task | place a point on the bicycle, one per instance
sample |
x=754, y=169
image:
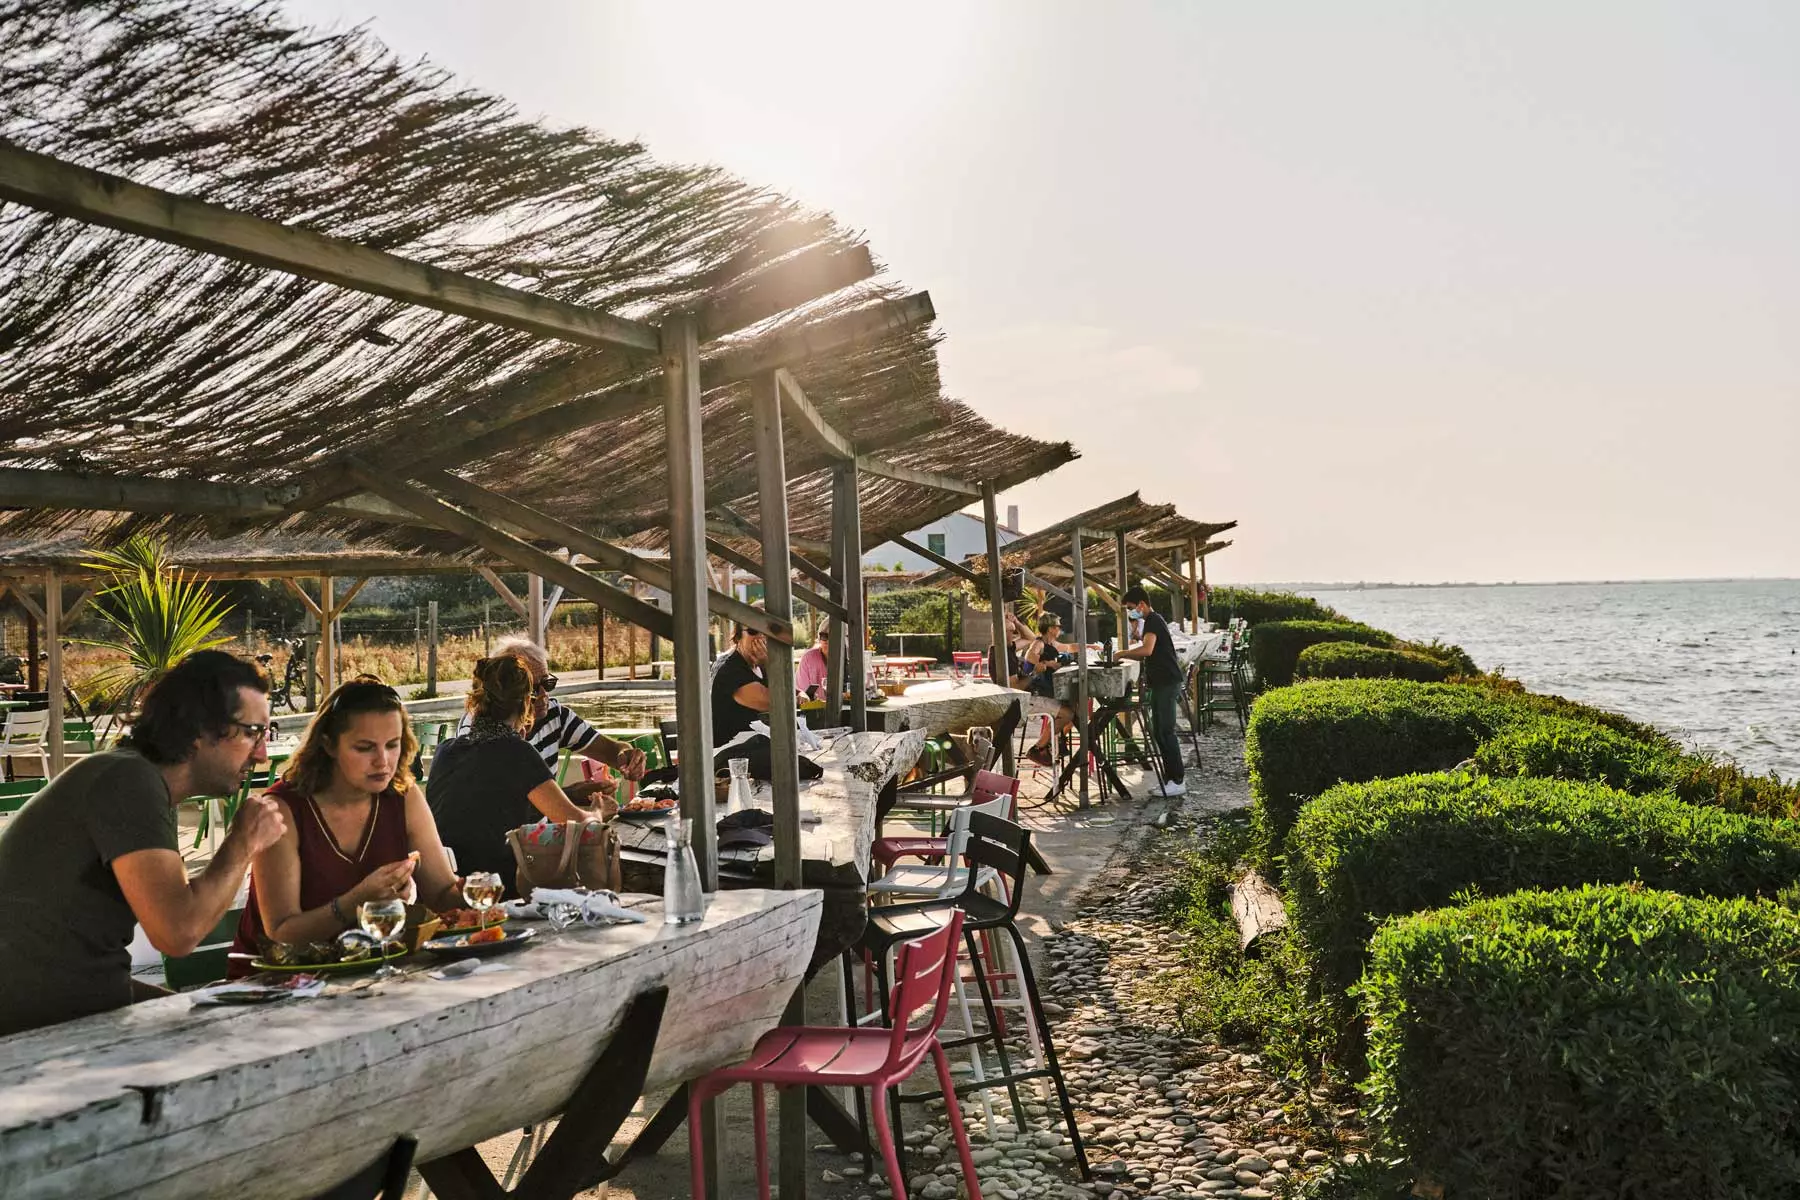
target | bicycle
x=291, y=691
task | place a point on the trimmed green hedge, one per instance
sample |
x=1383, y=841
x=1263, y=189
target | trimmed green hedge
x=1551, y=747
x=1353, y=660
x=1605, y=1042
x=1257, y=607
x=1276, y=645
x=1302, y=740
x=1364, y=852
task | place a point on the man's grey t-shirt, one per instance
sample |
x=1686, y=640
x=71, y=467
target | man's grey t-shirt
x=64, y=943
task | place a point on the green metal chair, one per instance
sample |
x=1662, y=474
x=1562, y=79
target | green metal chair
x=208, y=961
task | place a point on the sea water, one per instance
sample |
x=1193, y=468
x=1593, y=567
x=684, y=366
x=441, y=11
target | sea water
x=1711, y=663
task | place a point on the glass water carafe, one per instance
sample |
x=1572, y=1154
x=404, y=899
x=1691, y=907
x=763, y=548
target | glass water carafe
x=683, y=900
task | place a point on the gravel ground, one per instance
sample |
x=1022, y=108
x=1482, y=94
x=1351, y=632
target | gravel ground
x=1161, y=1114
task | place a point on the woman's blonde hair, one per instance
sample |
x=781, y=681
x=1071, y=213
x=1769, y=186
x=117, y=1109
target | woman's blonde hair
x=309, y=771
x=501, y=690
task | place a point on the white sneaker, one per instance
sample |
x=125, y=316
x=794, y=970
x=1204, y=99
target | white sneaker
x=1171, y=788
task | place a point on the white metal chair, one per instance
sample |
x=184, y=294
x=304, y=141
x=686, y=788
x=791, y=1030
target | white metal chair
x=26, y=735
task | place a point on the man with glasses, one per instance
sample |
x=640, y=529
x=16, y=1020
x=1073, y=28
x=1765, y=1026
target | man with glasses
x=555, y=727
x=96, y=853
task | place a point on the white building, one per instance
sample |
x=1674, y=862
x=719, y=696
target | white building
x=955, y=537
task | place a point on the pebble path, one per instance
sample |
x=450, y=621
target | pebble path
x=1162, y=1114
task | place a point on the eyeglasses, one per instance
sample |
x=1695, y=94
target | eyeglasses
x=545, y=685
x=255, y=733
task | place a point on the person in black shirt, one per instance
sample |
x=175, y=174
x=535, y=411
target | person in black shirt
x=1162, y=680
x=489, y=781
x=740, y=694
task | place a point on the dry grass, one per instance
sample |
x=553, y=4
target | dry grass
x=572, y=648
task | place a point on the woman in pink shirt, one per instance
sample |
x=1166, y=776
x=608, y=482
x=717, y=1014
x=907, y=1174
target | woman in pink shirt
x=809, y=680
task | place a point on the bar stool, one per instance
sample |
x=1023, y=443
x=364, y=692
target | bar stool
x=1005, y=848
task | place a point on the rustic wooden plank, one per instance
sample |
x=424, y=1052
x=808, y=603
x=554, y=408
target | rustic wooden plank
x=733, y=524
x=744, y=562
x=99, y=198
x=165, y=1100
x=1256, y=907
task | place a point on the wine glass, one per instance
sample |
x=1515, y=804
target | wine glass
x=382, y=920
x=561, y=916
x=481, y=890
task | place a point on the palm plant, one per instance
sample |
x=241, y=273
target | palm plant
x=157, y=614
x=1030, y=604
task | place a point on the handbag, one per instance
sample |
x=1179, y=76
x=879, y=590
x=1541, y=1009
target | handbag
x=566, y=854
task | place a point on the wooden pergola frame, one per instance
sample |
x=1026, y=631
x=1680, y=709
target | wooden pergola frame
x=422, y=491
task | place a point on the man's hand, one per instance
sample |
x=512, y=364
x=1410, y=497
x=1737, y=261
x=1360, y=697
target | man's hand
x=259, y=824
x=631, y=762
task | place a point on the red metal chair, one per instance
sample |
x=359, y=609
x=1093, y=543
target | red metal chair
x=878, y=1059
x=974, y=660
x=987, y=785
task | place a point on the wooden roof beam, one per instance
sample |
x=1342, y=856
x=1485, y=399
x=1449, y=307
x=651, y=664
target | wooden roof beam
x=613, y=558
x=99, y=198
x=521, y=554
x=809, y=420
x=869, y=465
x=824, y=604
x=955, y=568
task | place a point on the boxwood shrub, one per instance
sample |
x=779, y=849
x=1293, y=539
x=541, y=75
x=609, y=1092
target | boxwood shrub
x=1258, y=607
x=1364, y=852
x=1304, y=739
x=1276, y=645
x=1552, y=747
x=1611, y=1041
x=1353, y=660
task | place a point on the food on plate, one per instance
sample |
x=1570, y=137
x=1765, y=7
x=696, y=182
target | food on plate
x=649, y=804
x=315, y=954
x=458, y=919
x=491, y=934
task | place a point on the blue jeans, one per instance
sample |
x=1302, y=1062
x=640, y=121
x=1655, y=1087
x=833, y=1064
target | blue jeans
x=1163, y=700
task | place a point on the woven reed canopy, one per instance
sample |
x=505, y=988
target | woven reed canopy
x=124, y=357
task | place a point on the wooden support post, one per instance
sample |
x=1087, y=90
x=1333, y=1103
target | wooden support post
x=53, y=622
x=784, y=775
x=1124, y=580
x=688, y=574
x=599, y=643
x=1079, y=590
x=328, y=647
x=846, y=513
x=1205, y=593
x=680, y=355
x=534, y=609
x=431, y=647
x=996, y=607
x=33, y=629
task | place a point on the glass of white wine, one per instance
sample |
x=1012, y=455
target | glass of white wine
x=382, y=920
x=481, y=891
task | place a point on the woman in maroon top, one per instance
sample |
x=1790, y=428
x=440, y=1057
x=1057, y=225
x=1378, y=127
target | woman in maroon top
x=358, y=827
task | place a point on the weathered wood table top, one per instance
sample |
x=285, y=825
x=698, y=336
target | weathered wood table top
x=944, y=706
x=835, y=848
x=163, y=1099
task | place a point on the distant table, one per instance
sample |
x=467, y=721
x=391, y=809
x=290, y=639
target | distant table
x=911, y=664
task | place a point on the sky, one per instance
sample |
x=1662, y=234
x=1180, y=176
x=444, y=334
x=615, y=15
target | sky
x=1414, y=291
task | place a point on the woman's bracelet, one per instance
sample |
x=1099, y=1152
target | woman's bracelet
x=338, y=912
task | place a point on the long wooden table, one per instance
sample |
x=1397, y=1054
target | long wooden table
x=164, y=1100
x=834, y=850
x=944, y=706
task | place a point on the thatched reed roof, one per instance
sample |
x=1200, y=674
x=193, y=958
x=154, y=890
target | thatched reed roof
x=125, y=356
x=262, y=557
x=1149, y=528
